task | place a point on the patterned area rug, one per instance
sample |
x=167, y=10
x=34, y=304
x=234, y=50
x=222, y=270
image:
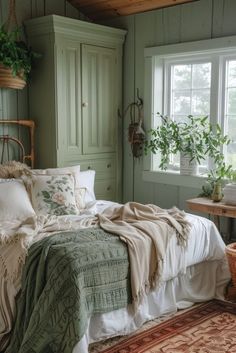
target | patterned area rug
x=207, y=328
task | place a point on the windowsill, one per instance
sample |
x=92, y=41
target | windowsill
x=174, y=178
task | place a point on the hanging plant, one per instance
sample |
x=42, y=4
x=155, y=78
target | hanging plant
x=16, y=58
x=136, y=133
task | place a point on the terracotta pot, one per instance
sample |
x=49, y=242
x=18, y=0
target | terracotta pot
x=7, y=80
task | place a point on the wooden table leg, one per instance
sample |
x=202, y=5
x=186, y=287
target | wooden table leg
x=216, y=220
x=230, y=222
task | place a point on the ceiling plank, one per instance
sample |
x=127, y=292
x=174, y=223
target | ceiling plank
x=103, y=9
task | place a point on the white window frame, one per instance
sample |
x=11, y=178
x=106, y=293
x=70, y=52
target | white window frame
x=218, y=50
x=224, y=60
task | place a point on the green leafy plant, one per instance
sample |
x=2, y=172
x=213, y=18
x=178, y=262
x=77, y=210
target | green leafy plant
x=164, y=139
x=15, y=53
x=221, y=174
x=233, y=175
x=195, y=137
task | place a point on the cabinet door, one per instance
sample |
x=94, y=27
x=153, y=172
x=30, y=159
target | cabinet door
x=99, y=99
x=68, y=101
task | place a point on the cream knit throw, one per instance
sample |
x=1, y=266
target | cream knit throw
x=147, y=230
x=15, y=239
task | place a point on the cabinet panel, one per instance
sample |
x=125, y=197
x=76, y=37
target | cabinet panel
x=105, y=168
x=105, y=189
x=69, y=100
x=98, y=99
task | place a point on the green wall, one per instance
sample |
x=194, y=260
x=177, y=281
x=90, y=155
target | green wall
x=202, y=19
x=14, y=103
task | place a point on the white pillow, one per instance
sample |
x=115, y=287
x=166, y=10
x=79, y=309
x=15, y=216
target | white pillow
x=14, y=201
x=53, y=194
x=86, y=180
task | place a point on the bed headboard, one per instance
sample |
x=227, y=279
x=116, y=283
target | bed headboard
x=26, y=151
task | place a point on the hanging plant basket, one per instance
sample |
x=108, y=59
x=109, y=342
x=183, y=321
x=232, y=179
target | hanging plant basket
x=8, y=80
x=16, y=57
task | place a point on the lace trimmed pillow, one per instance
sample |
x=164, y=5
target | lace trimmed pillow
x=53, y=195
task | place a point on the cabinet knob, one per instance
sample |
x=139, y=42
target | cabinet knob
x=108, y=188
x=89, y=167
x=85, y=104
x=109, y=165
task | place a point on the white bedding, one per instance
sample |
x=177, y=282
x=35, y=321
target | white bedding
x=198, y=273
x=195, y=274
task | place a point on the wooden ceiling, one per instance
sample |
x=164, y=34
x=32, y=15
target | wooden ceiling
x=105, y=9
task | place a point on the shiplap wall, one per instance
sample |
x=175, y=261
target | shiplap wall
x=14, y=103
x=203, y=19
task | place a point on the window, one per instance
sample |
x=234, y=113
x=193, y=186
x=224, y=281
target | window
x=188, y=93
x=196, y=79
x=230, y=109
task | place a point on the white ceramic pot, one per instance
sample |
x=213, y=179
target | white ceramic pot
x=188, y=167
x=229, y=192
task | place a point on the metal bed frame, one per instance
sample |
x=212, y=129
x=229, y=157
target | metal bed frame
x=7, y=139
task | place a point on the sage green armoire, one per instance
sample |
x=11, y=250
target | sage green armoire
x=75, y=97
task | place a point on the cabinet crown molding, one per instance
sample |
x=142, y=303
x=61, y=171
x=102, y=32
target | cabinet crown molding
x=77, y=29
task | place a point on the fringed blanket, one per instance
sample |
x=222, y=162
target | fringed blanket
x=147, y=230
x=66, y=278
x=15, y=239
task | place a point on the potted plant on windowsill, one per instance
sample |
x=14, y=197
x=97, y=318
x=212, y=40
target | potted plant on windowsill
x=215, y=181
x=195, y=139
x=16, y=59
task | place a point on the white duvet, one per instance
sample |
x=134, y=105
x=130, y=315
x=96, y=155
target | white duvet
x=197, y=273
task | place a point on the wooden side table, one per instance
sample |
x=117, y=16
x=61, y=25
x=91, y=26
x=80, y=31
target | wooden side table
x=216, y=209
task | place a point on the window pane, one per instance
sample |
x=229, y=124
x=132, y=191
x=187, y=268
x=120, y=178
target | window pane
x=176, y=159
x=201, y=102
x=181, y=76
x=231, y=154
x=201, y=75
x=179, y=118
x=188, y=94
x=181, y=103
x=231, y=128
x=232, y=73
x=231, y=101
x=231, y=132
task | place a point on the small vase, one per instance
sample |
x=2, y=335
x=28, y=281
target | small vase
x=217, y=194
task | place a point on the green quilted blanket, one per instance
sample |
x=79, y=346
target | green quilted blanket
x=67, y=277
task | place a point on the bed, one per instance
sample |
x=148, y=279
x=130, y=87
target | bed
x=192, y=270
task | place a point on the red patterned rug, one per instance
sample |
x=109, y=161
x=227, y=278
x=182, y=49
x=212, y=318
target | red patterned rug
x=208, y=328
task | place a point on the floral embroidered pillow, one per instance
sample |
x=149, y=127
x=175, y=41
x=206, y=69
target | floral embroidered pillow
x=54, y=195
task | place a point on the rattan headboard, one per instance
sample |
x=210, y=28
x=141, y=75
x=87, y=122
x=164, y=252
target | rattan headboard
x=7, y=139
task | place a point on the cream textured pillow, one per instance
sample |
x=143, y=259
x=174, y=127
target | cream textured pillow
x=14, y=201
x=53, y=194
